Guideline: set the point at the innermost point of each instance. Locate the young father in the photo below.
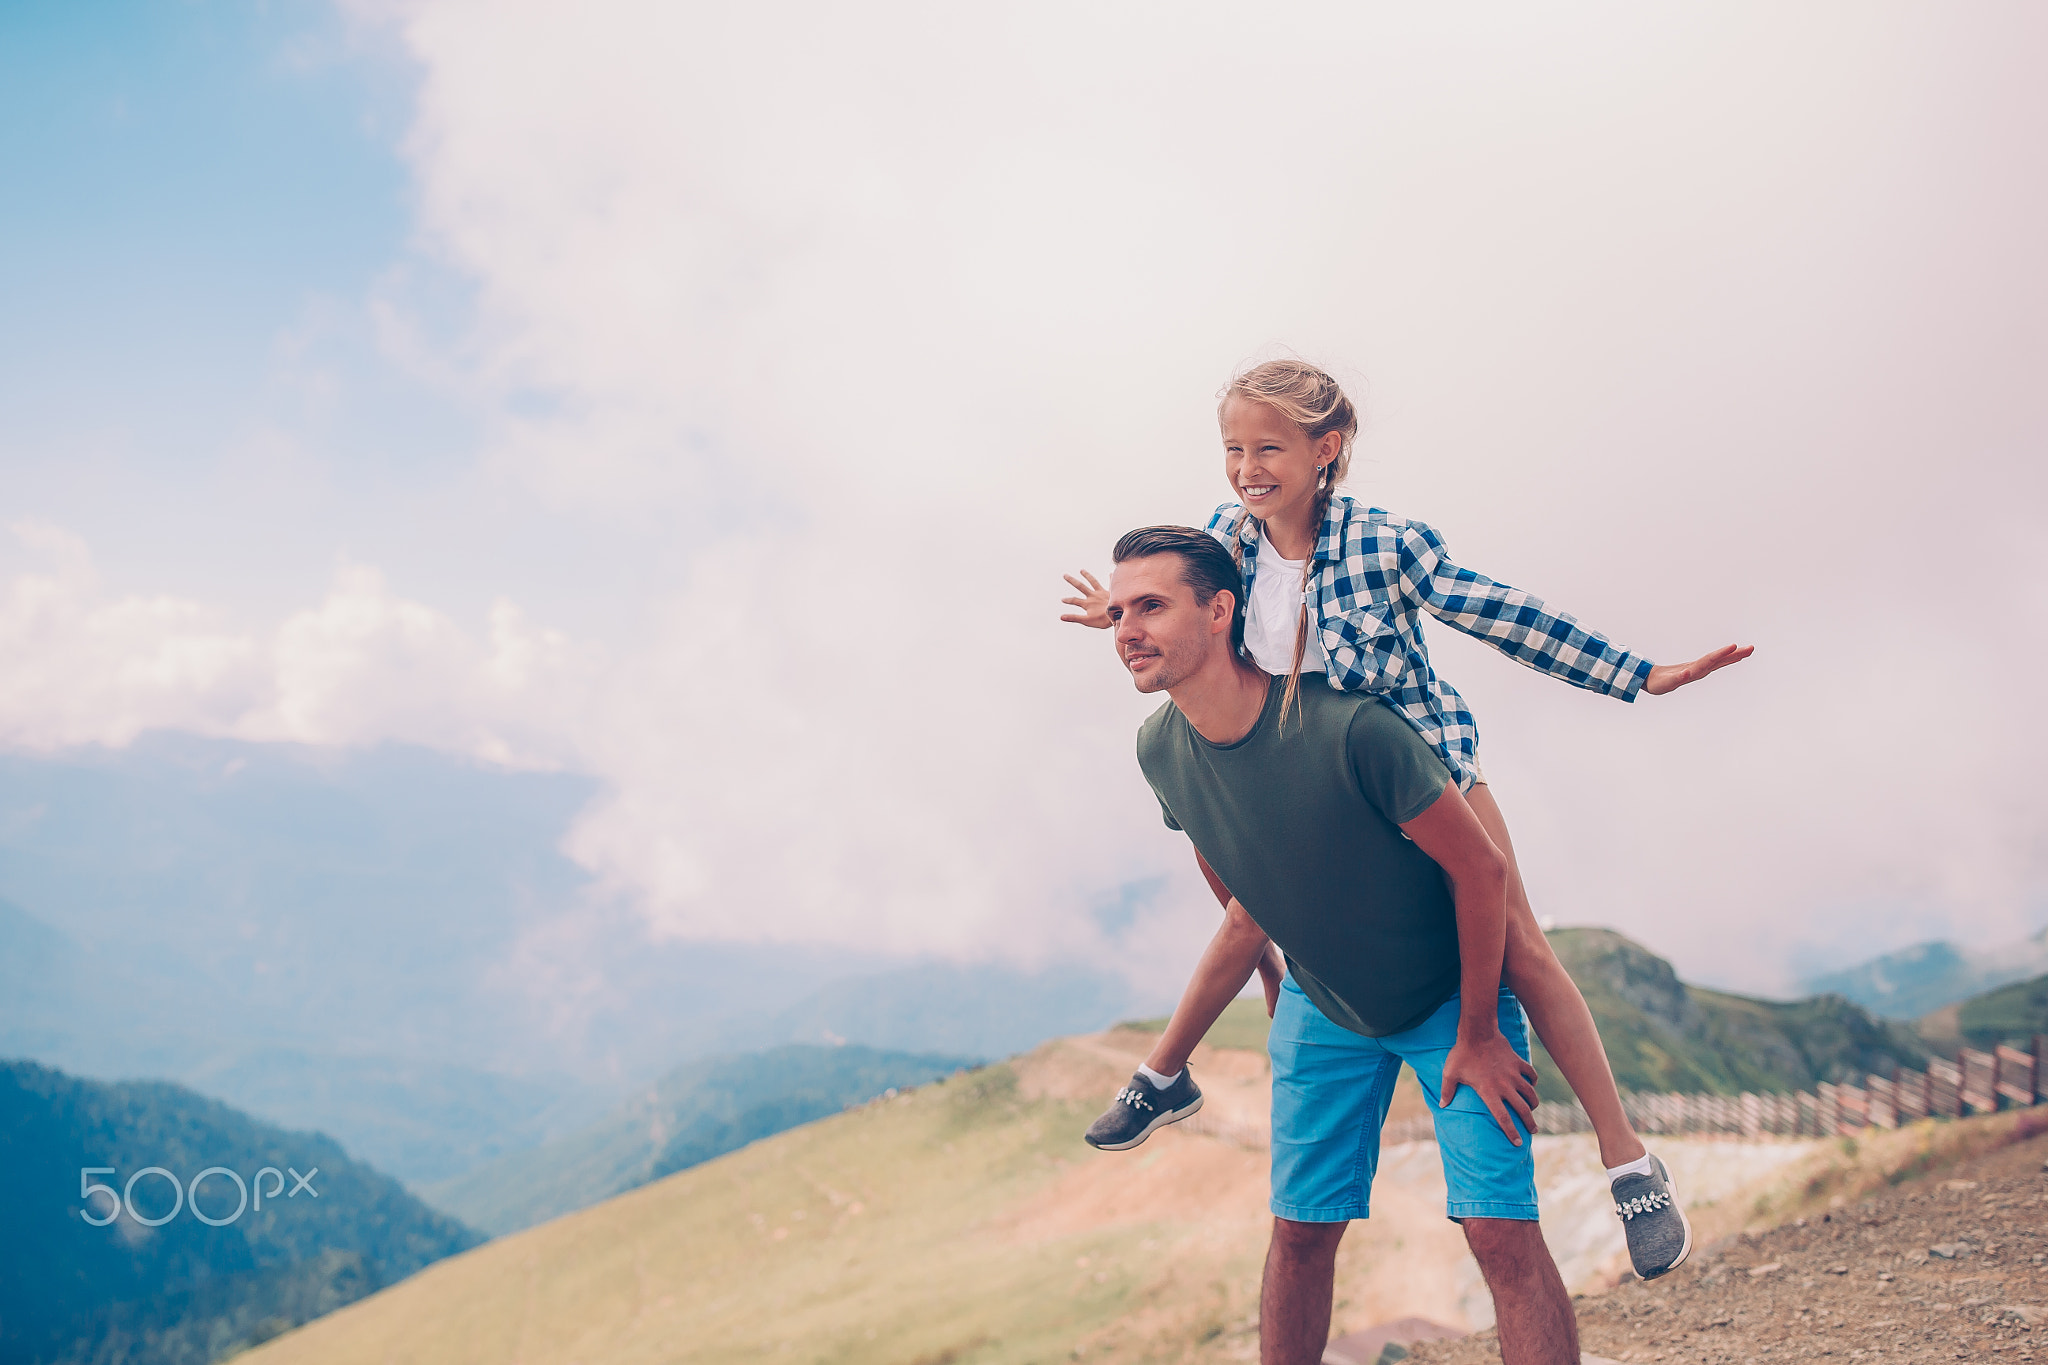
(1344, 840)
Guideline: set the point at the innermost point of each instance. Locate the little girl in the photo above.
(1337, 589)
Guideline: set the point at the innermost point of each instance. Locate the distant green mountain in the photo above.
(65, 1006)
(183, 1292)
(700, 1110)
(2011, 1014)
(339, 939)
(343, 940)
(1917, 980)
(1664, 1035)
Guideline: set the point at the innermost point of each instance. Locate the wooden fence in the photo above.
(1974, 1083)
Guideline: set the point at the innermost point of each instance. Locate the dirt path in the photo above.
(1950, 1267)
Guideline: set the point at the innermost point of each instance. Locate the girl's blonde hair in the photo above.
(1313, 401)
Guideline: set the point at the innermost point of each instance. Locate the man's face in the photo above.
(1163, 634)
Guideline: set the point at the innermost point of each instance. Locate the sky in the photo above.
(706, 400)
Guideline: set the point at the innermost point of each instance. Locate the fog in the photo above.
(806, 346)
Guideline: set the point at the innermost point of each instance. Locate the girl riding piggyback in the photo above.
(1335, 594)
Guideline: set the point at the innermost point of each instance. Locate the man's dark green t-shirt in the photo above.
(1301, 821)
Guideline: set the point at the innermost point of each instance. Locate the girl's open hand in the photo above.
(1670, 677)
(1093, 602)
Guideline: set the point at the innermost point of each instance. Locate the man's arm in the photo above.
(1451, 834)
(1225, 966)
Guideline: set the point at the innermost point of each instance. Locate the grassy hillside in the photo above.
(966, 1223)
(2011, 1014)
(700, 1110)
(184, 1292)
(909, 1230)
(1243, 1025)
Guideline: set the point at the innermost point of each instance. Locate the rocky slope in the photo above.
(1950, 1263)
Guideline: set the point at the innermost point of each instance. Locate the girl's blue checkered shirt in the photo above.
(1373, 576)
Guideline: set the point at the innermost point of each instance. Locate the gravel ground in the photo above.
(1950, 1267)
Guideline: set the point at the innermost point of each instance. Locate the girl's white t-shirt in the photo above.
(1274, 615)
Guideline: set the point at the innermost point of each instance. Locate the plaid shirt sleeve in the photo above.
(1514, 622)
(1224, 522)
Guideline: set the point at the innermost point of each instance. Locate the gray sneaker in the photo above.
(1659, 1237)
(1141, 1108)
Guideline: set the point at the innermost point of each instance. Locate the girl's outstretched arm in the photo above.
(1521, 626)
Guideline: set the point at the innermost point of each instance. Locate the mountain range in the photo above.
(387, 945)
(702, 1109)
(1915, 981)
(187, 1293)
(161, 1266)
(1663, 1034)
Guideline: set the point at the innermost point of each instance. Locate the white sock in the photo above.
(1161, 1081)
(1640, 1166)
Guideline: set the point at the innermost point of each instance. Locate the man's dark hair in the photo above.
(1204, 563)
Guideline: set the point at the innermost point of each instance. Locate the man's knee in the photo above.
(1307, 1239)
(1507, 1247)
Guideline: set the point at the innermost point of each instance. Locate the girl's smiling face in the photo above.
(1273, 464)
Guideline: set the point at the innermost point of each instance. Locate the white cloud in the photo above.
(83, 669)
(1666, 311)
(363, 666)
(856, 326)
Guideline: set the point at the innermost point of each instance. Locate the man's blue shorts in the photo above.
(1331, 1089)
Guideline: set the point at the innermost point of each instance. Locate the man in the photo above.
(1345, 842)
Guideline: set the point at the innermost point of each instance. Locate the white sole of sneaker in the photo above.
(1175, 1116)
(1683, 1221)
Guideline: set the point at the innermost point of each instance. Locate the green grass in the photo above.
(700, 1110)
(881, 1235)
(1663, 1035)
(2010, 1014)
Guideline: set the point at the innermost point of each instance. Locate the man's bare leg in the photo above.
(1294, 1302)
(1530, 1307)
(1555, 1006)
